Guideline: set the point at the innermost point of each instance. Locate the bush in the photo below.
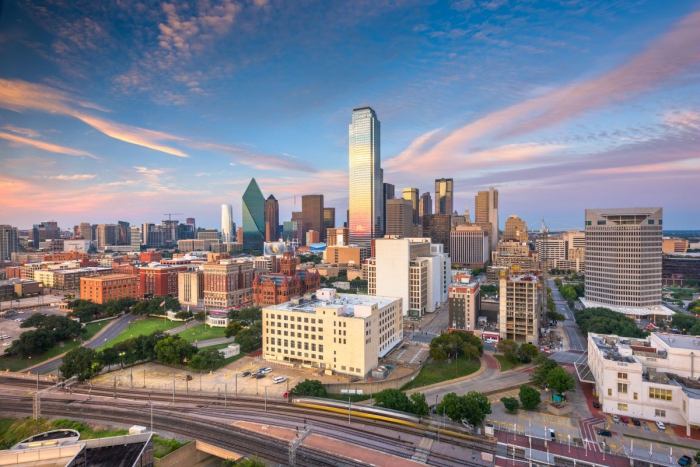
(511, 404)
(529, 397)
(311, 388)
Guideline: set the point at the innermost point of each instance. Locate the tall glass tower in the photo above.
(226, 223)
(366, 187)
(253, 217)
(443, 196)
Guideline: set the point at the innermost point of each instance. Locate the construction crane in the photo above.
(171, 214)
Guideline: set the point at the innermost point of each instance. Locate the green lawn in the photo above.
(201, 332)
(143, 327)
(438, 372)
(19, 364)
(505, 364)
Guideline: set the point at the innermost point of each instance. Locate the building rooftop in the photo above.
(524, 278)
(657, 310)
(344, 303)
(679, 341)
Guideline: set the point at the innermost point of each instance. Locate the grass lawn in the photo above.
(18, 364)
(438, 372)
(143, 327)
(505, 364)
(201, 332)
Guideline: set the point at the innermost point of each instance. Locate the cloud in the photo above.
(68, 177)
(671, 55)
(253, 159)
(28, 132)
(14, 139)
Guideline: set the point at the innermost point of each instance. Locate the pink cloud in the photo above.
(14, 139)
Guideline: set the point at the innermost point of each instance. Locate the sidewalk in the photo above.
(484, 366)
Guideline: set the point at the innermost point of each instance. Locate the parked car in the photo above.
(661, 426)
(596, 404)
(287, 393)
(279, 379)
(607, 433)
(615, 419)
(636, 422)
(245, 373)
(685, 460)
(467, 425)
(625, 419)
(265, 370)
(259, 375)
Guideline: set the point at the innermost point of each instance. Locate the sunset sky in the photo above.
(127, 110)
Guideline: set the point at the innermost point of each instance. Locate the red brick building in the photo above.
(273, 289)
(150, 256)
(159, 280)
(111, 287)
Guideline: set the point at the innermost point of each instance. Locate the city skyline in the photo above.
(108, 113)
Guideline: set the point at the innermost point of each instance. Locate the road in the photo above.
(429, 327)
(577, 342)
(110, 333)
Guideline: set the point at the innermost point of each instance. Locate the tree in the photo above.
(472, 407)
(527, 352)
(247, 316)
(393, 399)
(560, 381)
(529, 397)
(251, 337)
(252, 462)
(696, 457)
(61, 327)
(183, 315)
(683, 321)
(83, 362)
(173, 350)
(544, 366)
(420, 406)
(311, 388)
(511, 404)
(453, 344)
(510, 350)
(233, 328)
(108, 356)
(605, 321)
(32, 343)
(200, 316)
(206, 359)
(489, 289)
(555, 316)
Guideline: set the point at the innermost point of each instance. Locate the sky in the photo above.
(127, 110)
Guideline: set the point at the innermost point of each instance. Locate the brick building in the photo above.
(160, 280)
(150, 256)
(273, 289)
(228, 283)
(111, 287)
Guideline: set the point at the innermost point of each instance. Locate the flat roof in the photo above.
(349, 301)
(658, 310)
(679, 341)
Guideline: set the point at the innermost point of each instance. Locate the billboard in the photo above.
(275, 249)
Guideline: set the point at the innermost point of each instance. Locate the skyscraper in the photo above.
(272, 219)
(253, 217)
(486, 213)
(365, 181)
(443, 196)
(425, 205)
(226, 223)
(124, 233)
(312, 215)
(9, 242)
(329, 218)
(411, 194)
(399, 218)
(388, 194)
(86, 231)
(515, 229)
(190, 221)
(623, 260)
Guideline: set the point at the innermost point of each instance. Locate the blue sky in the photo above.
(127, 110)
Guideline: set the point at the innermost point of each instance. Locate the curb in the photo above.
(477, 373)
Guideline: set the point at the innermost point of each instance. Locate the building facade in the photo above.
(328, 219)
(469, 245)
(519, 310)
(437, 228)
(9, 242)
(623, 257)
(272, 219)
(411, 194)
(338, 237)
(444, 192)
(159, 280)
(425, 206)
(253, 217)
(101, 289)
(312, 216)
(228, 283)
(273, 289)
(365, 178)
(190, 287)
(227, 233)
(486, 213)
(515, 229)
(399, 217)
(343, 333)
(464, 305)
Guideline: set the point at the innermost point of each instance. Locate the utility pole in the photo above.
(296, 442)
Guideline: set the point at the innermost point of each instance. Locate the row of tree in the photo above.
(549, 374)
(687, 323)
(528, 397)
(156, 306)
(168, 350)
(246, 326)
(517, 353)
(601, 320)
(86, 310)
(50, 329)
(453, 344)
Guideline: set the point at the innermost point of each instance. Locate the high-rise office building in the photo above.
(86, 231)
(365, 181)
(170, 230)
(190, 221)
(411, 194)
(389, 191)
(515, 229)
(227, 233)
(124, 233)
(486, 213)
(425, 205)
(107, 234)
(328, 218)
(623, 260)
(9, 242)
(437, 228)
(312, 215)
(519, 307)
(444, 191)
(272, 219)
(399, 218)
(253, 217)
(469, 245)
(135, 238)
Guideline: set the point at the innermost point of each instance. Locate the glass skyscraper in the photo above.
(226, 223)
(253, 217)
(365, 182)
(443, 196)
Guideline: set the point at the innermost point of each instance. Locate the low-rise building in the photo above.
(674, 245)
(464, 304)
(273, 289)
(343, 333)
(190, 287)
(160, 280)
(101, 289)
(654, 378)
(342, 254)
(228, 283)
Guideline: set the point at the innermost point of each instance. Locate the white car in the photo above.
(266, 370)
(279, 379)
(661, 426)
(6, 344)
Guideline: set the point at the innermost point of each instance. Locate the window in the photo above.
(660, 394)
(635, 396)
(651, 221)
(622, 376)
(609, 391)
(659, 413)
(622, 407)
(684, 408)
(622, 388)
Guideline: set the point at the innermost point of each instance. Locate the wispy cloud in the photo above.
(14, 139)
(69, 177)
(28, 132)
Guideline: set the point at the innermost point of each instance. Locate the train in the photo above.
(364, 411)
